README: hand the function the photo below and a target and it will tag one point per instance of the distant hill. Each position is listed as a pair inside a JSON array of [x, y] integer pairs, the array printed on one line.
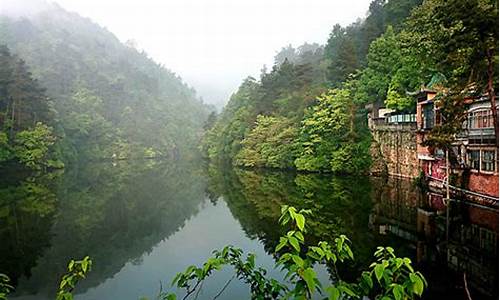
[[110, 99]]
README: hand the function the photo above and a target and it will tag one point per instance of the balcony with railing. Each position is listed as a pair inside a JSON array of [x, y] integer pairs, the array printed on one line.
[[480, 124], [401, 118], [395, 122], [479, 127]]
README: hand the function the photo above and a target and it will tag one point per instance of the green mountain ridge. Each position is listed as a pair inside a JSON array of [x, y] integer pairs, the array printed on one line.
[[110, 99]]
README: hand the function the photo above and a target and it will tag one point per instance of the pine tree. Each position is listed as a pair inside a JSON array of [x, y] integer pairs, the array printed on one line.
[[341, 51], [28, 102], [5, 80]]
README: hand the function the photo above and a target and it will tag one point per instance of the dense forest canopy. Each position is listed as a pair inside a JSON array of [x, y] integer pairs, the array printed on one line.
[[105, 99], [308, 111]]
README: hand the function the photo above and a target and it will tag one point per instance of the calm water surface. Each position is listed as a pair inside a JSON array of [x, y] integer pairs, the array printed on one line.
[[142, 222]]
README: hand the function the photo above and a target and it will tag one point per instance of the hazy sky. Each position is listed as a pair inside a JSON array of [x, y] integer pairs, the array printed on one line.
[[214, 44]]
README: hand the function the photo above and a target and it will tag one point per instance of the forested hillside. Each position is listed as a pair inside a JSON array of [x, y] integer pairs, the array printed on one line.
[[307, 112], [26, 116], [106, 99]]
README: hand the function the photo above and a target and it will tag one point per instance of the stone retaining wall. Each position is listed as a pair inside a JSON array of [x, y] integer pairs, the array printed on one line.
[[395, 147]]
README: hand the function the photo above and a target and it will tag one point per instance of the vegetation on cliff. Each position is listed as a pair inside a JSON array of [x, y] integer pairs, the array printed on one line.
[[308, 112]]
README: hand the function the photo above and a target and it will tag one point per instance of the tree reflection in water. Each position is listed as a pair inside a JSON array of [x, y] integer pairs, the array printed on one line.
[[118, 213], [113, 213], [371, 212]]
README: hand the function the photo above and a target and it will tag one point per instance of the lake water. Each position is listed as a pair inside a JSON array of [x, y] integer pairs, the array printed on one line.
[[142, 222]]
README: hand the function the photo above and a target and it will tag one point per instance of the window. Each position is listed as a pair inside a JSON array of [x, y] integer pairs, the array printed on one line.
[[482, 160], [428, 116], [480, 119], [439, 153], [473, 159], [401, 118], [488, 161]]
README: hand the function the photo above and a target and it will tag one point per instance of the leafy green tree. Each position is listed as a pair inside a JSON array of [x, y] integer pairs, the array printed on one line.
[[210, 122], [310, 53], [390, 73], [271, 143], [459, 41], [284, 92], [5, 147], [222, 141], [274, 85], [383, 60], [32, 147], [351, 158], [328, 128], [396, 12], [351, 43], [322, 129], [23, 108], [28, 102], [86, 129], [287, 53], [6, 61], [372, 27]]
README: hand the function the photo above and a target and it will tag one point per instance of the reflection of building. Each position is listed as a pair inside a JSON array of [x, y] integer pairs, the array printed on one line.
[[473, 249], [402, 213], [397, 210]]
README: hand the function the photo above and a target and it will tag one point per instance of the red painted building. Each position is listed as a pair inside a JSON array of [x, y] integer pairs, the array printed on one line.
[[474, 155]]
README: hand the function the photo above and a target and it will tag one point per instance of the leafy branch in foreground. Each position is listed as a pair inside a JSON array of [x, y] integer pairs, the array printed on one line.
[[5, 287], [389, 277], [76, 271]]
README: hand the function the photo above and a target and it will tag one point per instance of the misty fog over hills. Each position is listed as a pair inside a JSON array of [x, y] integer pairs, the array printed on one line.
[[109, 99], [212, 45]]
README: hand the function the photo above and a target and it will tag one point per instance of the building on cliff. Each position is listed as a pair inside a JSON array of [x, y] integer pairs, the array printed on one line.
[[473, 158], [463, 230], [398, 148]]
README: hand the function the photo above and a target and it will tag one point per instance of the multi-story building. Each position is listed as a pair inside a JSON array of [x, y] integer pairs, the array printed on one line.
[[474, 157], [465, 229]]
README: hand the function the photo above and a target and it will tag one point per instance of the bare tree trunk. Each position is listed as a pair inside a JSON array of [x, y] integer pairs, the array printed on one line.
[[491, 93]]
